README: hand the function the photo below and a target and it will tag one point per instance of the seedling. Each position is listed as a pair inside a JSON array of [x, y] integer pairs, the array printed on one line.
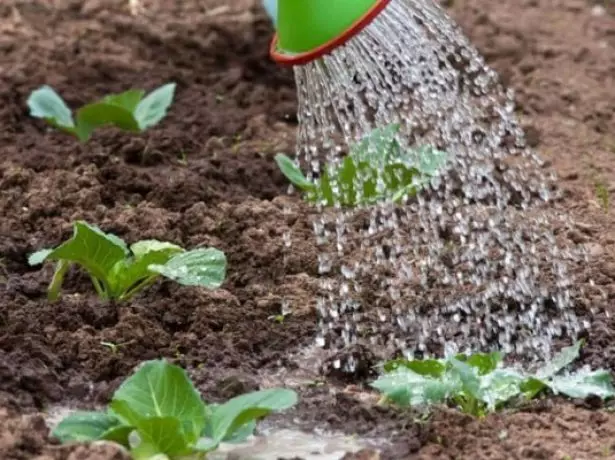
[[129, 111], [111, 346], [115, 347], [376, 169], [478, 384], [182, 158], [602, 194], [278, 318], [158, 412], [119, 272]]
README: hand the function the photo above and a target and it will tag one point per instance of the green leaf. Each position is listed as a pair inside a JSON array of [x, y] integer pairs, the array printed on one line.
[[127, 100], [199, 267], [293, 173], [583, 384], [231, 416], [127, 274], [125, 413], [468, 376], [160, 435], [379, 146], [91, 248], [430, 160], [120, 243], [426, 367], [532, 386], [85, 426], [47, 104], [407, 388], [399, 176], [376, 169], [154, 107], [484, 362], [99, 114], [146, 247], [118, 435], [160, 389], [560, 361], [206, 445], [500, 386], [38, 257], [239, 435]]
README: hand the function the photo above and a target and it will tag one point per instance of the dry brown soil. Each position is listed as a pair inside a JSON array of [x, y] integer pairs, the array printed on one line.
[[206, 176]]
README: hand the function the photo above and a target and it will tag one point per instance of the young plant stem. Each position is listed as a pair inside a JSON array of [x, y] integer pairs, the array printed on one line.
[[53, 292], [100, 290], [138, 287], [469, 405]]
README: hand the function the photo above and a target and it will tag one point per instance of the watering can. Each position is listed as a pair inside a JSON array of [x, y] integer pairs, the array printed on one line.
[[309, 29]]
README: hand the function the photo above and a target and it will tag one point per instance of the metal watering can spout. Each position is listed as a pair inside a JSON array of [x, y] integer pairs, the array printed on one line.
[[309, 29]]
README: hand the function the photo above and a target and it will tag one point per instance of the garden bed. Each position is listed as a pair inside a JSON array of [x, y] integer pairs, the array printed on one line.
[[206, 176]]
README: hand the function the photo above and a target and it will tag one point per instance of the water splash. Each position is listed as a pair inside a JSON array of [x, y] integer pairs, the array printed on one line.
[[471, 262]]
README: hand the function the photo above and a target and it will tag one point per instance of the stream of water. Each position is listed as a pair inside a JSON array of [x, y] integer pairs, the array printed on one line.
[[470, 263]]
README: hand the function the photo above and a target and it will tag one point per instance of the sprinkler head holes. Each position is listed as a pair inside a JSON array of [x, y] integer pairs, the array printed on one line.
[[309, 29]]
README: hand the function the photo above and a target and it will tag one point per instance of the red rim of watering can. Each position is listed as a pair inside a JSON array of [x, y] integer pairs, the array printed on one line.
[[326, 48]]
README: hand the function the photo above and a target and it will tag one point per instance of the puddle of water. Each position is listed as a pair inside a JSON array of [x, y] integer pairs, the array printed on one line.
[[287, 443], [275, 443]]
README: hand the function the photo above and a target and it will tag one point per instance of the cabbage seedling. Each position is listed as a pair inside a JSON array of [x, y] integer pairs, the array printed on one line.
[[376, 169], [158, 413], [129, 111], [479, 384], [119, 272]]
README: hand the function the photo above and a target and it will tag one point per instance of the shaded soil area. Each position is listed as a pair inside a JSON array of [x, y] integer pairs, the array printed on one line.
[[206, 176]]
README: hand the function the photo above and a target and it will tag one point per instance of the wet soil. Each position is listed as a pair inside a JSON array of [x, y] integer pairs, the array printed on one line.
[[206, 176]]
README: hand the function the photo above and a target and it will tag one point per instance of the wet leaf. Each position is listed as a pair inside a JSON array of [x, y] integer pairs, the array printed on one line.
[[118, 272], [199, 267], [128, 273], [478, 384], [430, 160], [532, 386], [145, 247], [376, 169], [407, 388], [484, 362], [467, 375], [583, 384], [153, 107], [560, 361], [293, 173], [500, 386], [379, 147], [427, 367]]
